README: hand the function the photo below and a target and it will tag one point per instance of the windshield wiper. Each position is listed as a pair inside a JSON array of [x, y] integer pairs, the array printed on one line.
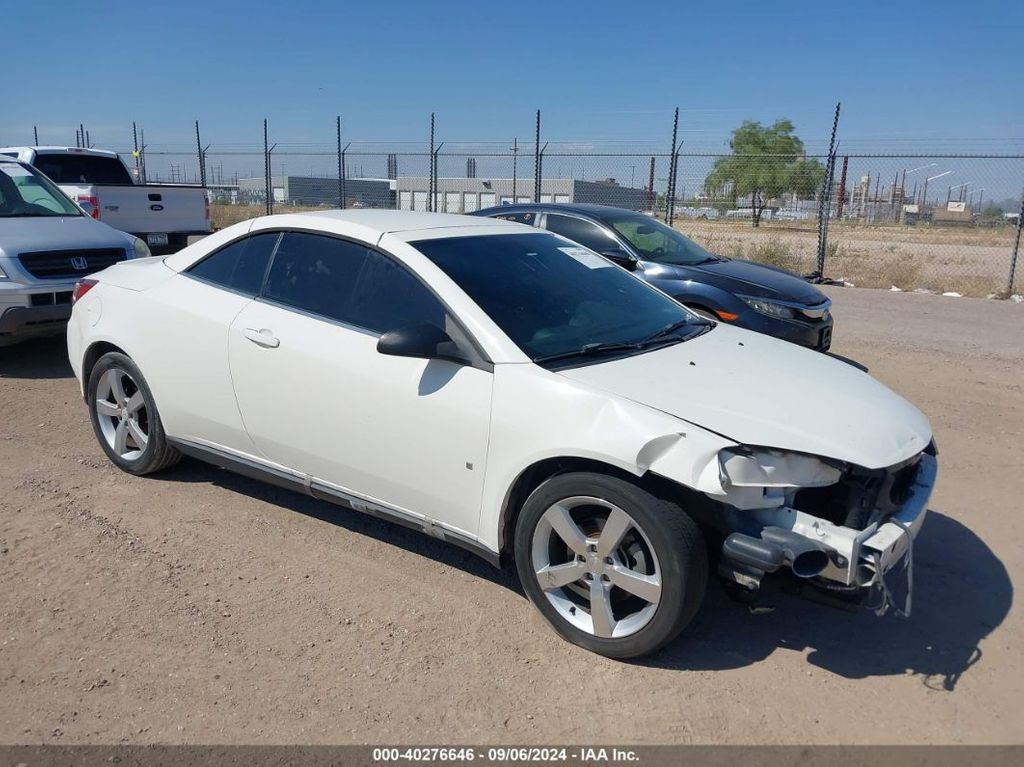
[[587, 350], [666, 332]]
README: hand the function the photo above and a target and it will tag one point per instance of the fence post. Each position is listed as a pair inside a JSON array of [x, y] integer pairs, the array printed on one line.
[[344, 175], [35, 135], [135, 152], [515, 172], [202, 158], [675, 179], [142, 154], [650, 188], [536, 162], [341, 192], [437, 188], [1016, 247], [825, 198], [266, 171], [671, 170], [430, 180]]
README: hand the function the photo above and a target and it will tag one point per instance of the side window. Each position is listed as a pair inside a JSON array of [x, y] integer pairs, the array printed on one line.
[[316, 274], [528, 217], [350, 283], [239, 266], [389, 297], [587, 234]]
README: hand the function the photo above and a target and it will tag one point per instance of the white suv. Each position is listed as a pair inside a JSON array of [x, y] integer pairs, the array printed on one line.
[[508, 391]]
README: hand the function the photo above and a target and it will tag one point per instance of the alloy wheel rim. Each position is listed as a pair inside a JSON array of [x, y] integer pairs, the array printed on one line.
[[122, 414], [596, 567]]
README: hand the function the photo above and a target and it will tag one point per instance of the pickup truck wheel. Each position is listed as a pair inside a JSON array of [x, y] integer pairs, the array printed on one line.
[[125, 418], [611, 567]]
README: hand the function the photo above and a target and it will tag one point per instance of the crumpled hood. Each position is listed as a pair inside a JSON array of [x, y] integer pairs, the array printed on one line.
[[758, 390]]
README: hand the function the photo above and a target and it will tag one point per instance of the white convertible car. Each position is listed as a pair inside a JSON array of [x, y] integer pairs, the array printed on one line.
[[508, 391]]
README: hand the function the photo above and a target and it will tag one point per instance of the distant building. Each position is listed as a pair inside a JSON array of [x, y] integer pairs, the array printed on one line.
[[464, 195], [312, 191]]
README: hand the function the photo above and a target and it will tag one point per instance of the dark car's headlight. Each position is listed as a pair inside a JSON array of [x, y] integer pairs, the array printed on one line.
[[769, 308]]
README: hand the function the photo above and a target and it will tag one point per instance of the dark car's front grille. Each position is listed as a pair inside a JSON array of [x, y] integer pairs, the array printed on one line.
[[57, 264]]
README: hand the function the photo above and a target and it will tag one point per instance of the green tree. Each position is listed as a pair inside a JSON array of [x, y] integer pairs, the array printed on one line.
[[766, 162]]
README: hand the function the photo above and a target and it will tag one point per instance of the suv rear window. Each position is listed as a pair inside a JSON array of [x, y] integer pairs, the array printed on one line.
[[82, 169]]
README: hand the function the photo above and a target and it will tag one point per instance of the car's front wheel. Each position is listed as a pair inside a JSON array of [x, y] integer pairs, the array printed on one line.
[[125, 417], [610, 566]]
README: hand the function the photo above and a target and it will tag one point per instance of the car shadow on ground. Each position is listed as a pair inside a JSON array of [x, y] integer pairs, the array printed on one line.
[[40, 358], [190, 470], [962, 592]]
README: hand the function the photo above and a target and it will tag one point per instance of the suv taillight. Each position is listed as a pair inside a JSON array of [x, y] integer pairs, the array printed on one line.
[[81, 288], [90, 204]]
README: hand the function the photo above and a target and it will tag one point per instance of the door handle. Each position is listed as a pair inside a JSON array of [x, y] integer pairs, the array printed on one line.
[[262, 338]]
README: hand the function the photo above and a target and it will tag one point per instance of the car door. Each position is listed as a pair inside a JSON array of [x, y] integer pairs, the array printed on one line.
[[317, 397], [189, 361]]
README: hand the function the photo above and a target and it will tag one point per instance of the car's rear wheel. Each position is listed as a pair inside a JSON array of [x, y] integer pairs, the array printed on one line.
[[611, 567], [125, 418]]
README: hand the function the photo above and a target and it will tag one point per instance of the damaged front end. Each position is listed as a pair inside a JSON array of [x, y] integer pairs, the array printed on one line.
[[845, 532]]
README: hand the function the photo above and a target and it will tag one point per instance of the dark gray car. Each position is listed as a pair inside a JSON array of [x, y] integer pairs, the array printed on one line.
[[750, 295]]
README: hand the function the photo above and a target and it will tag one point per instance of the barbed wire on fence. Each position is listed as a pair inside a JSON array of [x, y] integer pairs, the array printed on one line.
[[874, 214]]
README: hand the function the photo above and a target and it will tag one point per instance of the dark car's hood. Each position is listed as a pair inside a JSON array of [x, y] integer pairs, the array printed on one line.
[[748, 279]]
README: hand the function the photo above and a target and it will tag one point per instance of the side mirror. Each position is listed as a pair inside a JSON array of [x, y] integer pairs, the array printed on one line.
[[421, 340], [622, 258]]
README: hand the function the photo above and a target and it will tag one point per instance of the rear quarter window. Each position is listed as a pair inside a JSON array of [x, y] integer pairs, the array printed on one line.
[[82, 169]]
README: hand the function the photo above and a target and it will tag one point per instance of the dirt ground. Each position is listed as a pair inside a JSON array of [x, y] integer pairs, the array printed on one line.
[[201, 607]]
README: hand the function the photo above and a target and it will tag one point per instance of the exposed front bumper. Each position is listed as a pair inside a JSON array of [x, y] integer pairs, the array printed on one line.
[[857, 559]]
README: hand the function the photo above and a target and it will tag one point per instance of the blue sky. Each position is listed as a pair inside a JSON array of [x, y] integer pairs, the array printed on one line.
[[915, 75]]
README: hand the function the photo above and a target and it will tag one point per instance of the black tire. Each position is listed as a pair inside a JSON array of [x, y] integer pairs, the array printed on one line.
[[157, 454], [678, 546]]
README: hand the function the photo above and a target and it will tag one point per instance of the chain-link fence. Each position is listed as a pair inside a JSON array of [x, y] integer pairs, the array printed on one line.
[[941, 222]]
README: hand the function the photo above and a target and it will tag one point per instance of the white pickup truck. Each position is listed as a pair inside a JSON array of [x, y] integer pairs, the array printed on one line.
[[166, 216]]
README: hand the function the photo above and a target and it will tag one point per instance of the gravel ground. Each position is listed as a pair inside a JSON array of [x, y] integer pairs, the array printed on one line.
[[201, 607]]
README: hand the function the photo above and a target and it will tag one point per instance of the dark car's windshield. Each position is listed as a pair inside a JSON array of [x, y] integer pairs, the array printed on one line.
[[655, 241], [554, 298], [27, 194]]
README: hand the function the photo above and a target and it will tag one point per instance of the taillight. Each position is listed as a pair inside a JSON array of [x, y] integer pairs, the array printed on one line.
[[81, 288], [90, 204]]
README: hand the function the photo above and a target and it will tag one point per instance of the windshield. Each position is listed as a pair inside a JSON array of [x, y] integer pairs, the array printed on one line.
[[554, 298], [655, 241], [83, 169], [25, 193]]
